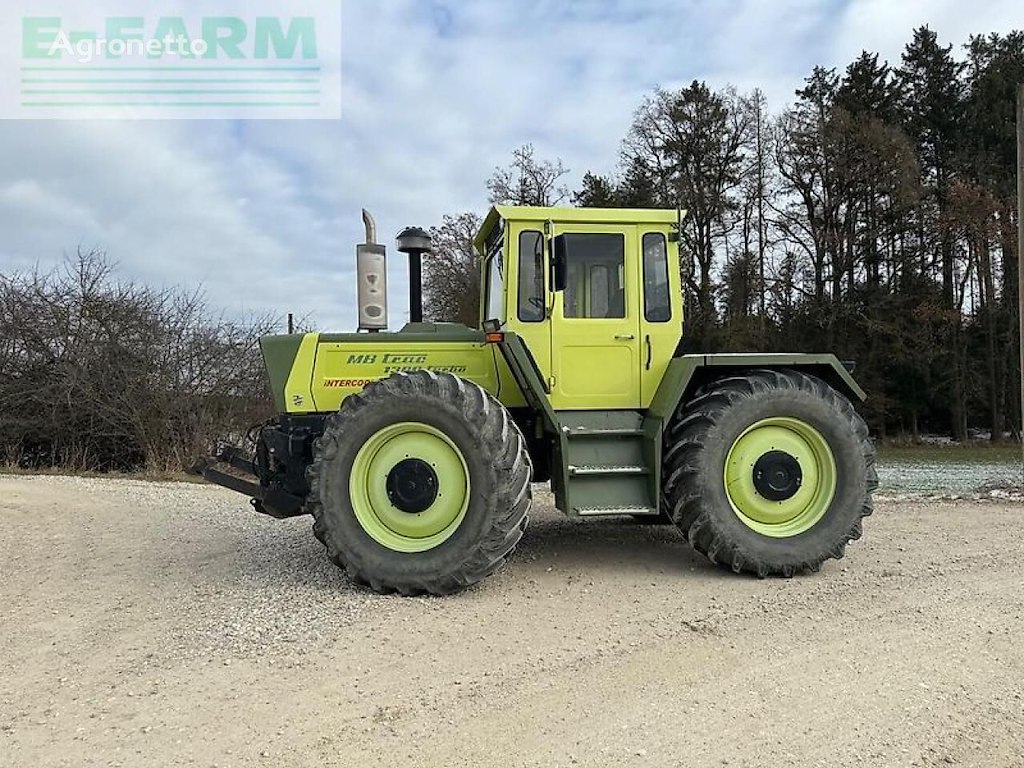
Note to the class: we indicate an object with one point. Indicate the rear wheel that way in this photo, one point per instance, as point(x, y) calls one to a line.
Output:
point(420, 483)
point(769, 473)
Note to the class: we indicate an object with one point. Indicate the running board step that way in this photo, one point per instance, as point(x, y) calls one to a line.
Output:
point(599, 511)
point(596, 469)
point(602, 431)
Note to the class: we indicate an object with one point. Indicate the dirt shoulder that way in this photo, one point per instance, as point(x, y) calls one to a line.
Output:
point(165, 624)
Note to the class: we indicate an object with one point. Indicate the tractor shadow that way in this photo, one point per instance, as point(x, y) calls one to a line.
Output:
point(610, 546)
point(285, 553)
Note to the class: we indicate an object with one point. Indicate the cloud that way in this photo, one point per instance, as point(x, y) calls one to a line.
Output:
point(265, 215)
point(886, 27)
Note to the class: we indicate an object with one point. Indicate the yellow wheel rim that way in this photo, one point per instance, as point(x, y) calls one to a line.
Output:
point(373, 497)
point(801, 482)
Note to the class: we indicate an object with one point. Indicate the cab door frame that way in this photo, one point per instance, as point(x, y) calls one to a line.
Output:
point(596, 361)
point(660, 318)
point(519, 312)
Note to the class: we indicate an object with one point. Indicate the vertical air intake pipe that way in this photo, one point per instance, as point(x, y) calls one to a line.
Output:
point(415, 242)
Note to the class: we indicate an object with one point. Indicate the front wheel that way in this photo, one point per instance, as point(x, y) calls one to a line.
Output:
point(770, 472)
point(420, 483)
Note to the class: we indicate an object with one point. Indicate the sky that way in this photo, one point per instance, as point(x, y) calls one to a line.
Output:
point(264, 215)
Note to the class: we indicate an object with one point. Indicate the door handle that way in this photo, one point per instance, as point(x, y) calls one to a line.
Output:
point(624, 337)
point(647, 341)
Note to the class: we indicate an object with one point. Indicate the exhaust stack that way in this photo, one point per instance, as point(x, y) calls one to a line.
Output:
point(372, 279)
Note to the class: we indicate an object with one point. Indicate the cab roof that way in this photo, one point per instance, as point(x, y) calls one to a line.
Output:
point(571, 215)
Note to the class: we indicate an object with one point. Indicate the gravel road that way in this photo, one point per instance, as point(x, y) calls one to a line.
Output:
point(164, 624)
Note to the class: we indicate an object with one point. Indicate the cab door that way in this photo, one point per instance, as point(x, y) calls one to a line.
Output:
point(595, 328)
point(659, 320)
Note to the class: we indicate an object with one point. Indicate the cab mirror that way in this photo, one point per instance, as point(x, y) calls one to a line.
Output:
point(558, 263)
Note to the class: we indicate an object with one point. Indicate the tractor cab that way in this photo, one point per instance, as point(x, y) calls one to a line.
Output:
point(594, 293)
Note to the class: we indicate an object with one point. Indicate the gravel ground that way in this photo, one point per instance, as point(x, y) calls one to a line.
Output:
point(163, 624)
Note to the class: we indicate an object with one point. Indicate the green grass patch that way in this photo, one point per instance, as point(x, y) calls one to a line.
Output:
point(980, 452)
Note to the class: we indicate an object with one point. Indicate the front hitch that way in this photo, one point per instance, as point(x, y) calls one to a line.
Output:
point(265, 499)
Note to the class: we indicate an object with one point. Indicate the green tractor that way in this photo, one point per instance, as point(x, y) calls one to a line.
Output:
point(415, 451)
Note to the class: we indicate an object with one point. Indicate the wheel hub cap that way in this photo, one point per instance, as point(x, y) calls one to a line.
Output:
point(412, 485)
point(777, 475)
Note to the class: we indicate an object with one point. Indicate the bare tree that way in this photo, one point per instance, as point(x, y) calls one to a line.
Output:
point(690, 143)
point(104, 374)
point(451, 279)
point(528, 181)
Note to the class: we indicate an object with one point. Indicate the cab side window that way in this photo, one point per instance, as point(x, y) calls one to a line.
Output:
point(657, 300)
point(595, 272)
point(531, 302)
point(495, 286)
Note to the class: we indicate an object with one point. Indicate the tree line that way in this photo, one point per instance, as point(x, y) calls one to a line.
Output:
point(875, 217)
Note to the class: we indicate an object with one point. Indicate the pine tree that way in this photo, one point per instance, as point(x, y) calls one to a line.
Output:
point(933, 112)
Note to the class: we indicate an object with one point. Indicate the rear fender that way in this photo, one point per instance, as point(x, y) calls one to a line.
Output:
point(686, 374)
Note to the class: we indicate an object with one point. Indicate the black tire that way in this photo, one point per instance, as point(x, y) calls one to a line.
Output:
point(696, 447)
point(499, 473)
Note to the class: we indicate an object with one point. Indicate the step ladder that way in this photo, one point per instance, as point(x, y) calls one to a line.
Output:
point(606, 469)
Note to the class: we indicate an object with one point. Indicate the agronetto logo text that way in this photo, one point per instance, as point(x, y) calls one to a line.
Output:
point(279, 60)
